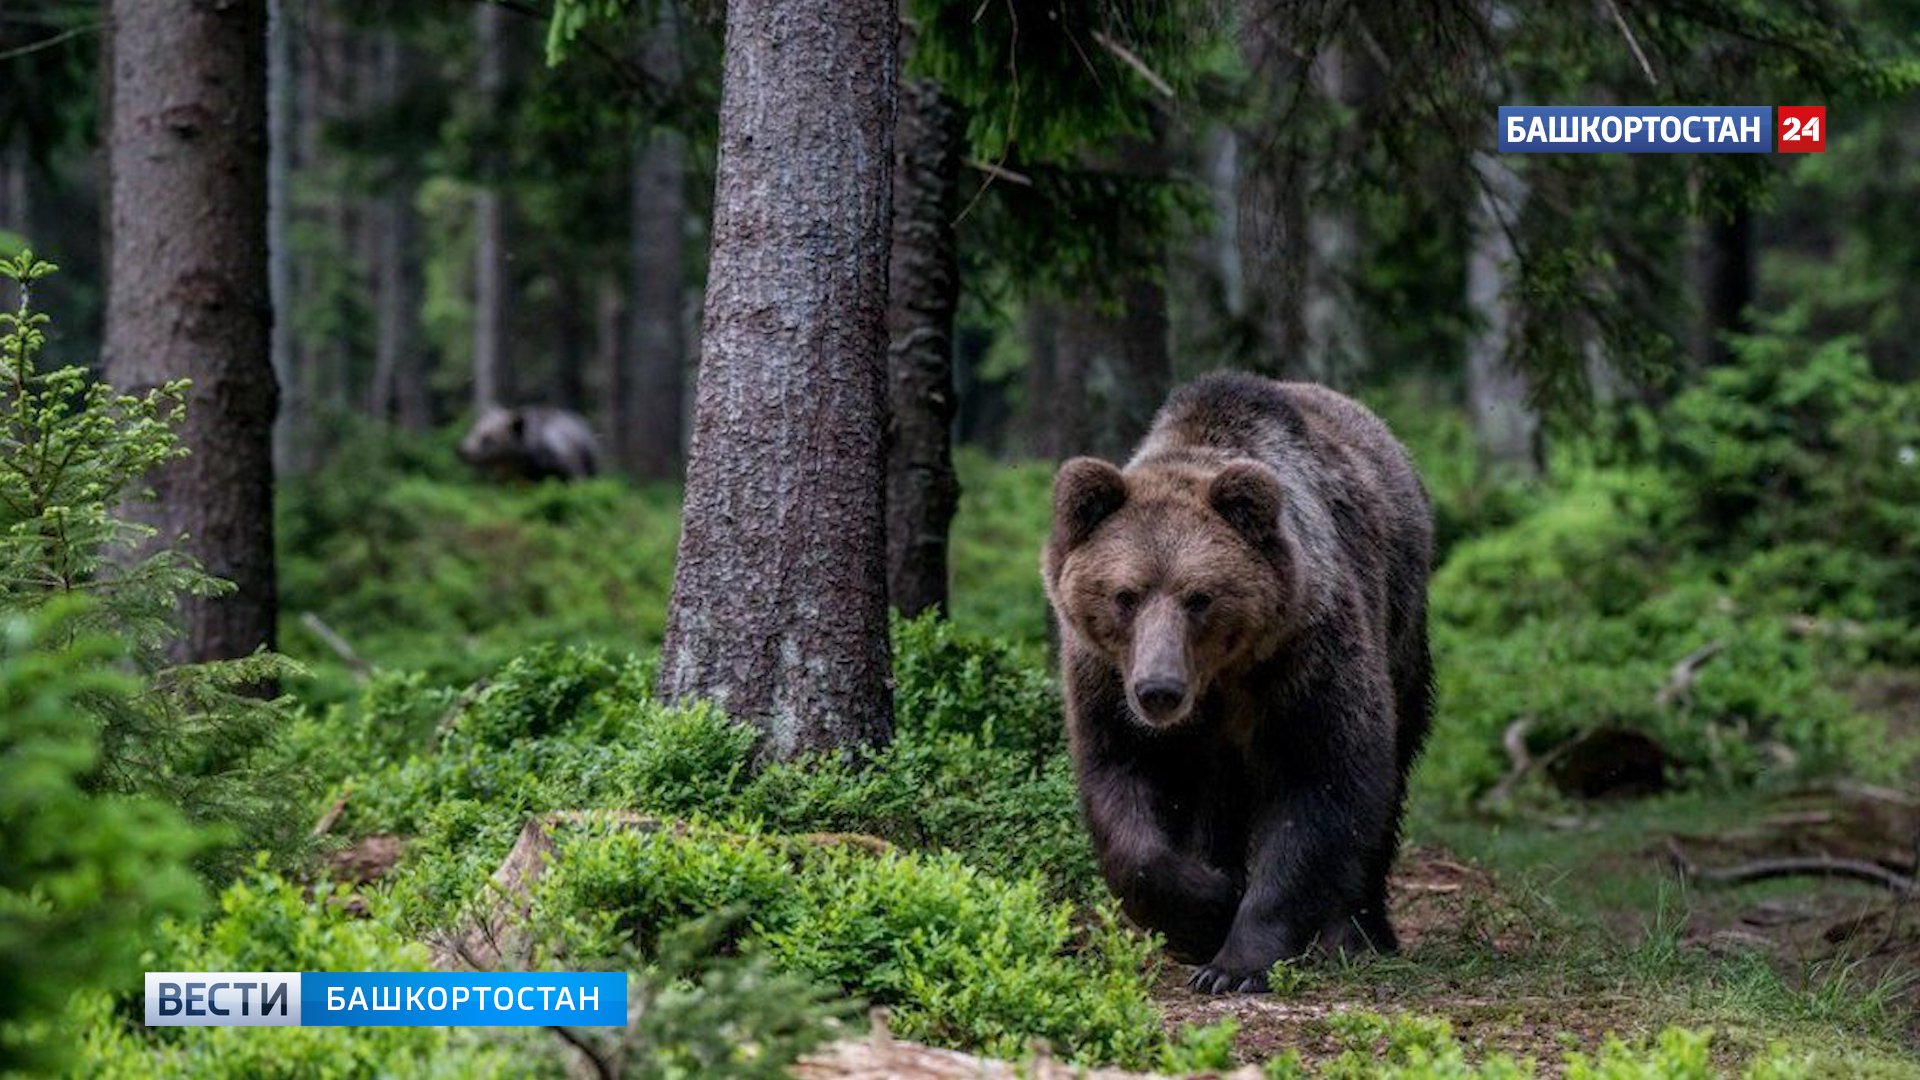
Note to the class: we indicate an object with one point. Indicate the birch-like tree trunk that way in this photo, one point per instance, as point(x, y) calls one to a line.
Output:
point(924, 293)
point(188, 294)
point(1504, 422)
point(489, 226)
point(399, 386)
point(779, 609)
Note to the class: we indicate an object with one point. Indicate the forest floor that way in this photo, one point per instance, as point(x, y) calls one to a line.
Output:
point(1534, 938)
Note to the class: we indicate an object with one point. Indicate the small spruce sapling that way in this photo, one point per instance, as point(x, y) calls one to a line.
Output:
point(73, 451)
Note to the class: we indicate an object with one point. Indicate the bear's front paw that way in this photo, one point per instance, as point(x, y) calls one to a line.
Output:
point(1219, 978)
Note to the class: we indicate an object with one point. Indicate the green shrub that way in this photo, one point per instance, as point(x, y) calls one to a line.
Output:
point(85, 875)
point(421, 567)
point(267, 923)
point(962, 957)
point(1798, 443)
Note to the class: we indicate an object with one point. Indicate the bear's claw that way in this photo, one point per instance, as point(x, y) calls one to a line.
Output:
point(1217, 980)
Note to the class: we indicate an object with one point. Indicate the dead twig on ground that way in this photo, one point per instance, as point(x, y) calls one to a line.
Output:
point(1824, 866)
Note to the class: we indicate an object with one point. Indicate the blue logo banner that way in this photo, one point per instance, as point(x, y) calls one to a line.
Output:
point(1634, 129)
point(408, 999)
point(385, 998)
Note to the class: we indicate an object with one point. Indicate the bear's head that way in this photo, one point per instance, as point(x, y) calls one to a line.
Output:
point(498, 437)
point(1173, 574)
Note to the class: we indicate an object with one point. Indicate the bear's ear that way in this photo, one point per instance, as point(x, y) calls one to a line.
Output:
point(1086, 492)
point(1247, 494)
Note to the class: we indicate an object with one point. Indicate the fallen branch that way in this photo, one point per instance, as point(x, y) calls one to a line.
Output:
point(1680, 679)
point(332, 817)
point(1000, 172)
point(882, 1057)
point(339, 646)
point(1823, 866)
point(1127, 57)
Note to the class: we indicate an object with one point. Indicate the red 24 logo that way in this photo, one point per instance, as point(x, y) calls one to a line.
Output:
point(1800, 129)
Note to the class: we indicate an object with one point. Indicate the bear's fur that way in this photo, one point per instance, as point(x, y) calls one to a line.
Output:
point(1243, 636)
point(534, 442)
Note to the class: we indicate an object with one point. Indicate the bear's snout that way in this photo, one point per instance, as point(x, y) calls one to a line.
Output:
point(1160, 698)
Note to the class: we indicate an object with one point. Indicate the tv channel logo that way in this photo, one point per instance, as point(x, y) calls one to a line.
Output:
point(1637, 129)
point(385, 998)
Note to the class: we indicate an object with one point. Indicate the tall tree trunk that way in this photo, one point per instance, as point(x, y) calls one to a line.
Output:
point(490, 226)
point(779, 609)
point(607, 356)
point(188, 295)
point(653, 389)
point(1329, 311)
point(924, 292)
point(1114, 359)
point(16, 201)
point(1504, 422)
point(398, 386)
point(1723, 272)
point(1270, 205)
point(1040, 408)
point(279, 212)
point(573, 330)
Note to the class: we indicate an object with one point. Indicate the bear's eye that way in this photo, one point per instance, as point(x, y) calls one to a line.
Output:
point(1198, 603)
point(1126, 600)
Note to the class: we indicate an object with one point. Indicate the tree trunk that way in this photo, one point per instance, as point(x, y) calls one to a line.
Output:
point(1724, 280)
point(188, 293)
point(1504, 423)
point(779, 609)
point(607, 354)
point(1115, 360)
point(398, 386)
point(924, 288)
point(16, 202)
point(279, 213)
point(573, 331)
point(490, 226)
point(1329, 311)
point(1270, 205)
point(1041, 410)
point(653, 389)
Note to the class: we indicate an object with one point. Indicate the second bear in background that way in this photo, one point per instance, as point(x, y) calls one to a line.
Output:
point(534, 442)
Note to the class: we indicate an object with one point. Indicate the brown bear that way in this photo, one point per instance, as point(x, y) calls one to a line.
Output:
point(532, 442)
point(1243, 638)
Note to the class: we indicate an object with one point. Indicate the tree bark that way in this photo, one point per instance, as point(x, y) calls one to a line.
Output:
point(279, 214)
point(1724, 281)
point(607, 356)
point(1270, 204)
point(1041, 409)
point(1114, 360)
point(1330, 323)
point(188, 294)
point(779, 609)
point(924, 293)
point(652, 391)
point(1504, 422)
point(16, 201)
point(490, 227)
point(399, 391)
